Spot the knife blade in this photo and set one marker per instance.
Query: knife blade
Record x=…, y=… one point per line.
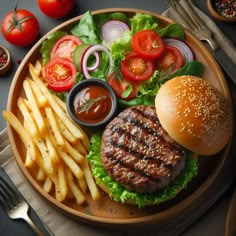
x=227, y=65
x=230, y=228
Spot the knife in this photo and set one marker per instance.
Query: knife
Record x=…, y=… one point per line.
x=230, y=228
x=228, y=66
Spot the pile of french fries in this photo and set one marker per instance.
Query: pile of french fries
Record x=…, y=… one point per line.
x=55, y=146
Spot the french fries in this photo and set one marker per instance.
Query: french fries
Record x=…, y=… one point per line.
x=19, y=128
x=34, y=106
x=55, y=145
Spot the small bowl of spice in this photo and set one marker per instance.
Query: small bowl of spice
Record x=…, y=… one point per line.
x=5, y=60
x=223, y=10
x=92, y=103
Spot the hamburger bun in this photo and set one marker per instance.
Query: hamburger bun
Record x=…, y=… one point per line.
x=195, y=114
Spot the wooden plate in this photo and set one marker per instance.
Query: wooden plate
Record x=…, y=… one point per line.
x=107, y=212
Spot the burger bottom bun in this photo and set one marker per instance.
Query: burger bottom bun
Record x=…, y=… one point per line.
x=195, y=114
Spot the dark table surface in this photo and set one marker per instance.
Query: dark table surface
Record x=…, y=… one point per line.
x=213, y=221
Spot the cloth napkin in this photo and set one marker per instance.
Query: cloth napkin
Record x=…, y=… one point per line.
x=59, y=223
x=224, y=42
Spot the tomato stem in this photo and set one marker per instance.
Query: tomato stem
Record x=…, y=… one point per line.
x=16, y=23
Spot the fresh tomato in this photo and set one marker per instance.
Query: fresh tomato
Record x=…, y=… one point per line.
x=148, y=44
x=123, y=88
x=59, y=74
x=20, y=27
x=56, y=8
x=136, y=68
x=65, y=47
x=171, y=57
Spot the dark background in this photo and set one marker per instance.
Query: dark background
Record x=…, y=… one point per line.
x=212, y=222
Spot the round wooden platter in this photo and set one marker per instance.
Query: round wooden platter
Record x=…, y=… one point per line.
x=106, y=212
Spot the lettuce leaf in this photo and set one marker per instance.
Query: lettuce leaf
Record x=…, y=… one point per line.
x=120, y=194
x=48, y=44
x=142, y=21
x=86, y=30
x=172, y=31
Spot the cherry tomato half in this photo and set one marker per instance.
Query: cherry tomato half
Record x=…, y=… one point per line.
x=65, y=47
x=56, y=8
x=136, y=68
x=122, y=86
x=147, y=44
x=171, y=56
x=59, y=74
x=20, y=27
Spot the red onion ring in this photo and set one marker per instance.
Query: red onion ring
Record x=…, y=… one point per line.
x=184, y=48
x=113, y=30
x=89, y=51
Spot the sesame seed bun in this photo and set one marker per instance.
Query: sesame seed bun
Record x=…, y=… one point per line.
x=195, y=114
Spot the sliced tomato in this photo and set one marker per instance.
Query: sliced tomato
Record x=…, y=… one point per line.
x=147, y=44
x=136, y=68
x=171, y=57
x=59, y=74
x=65, y=47
x=123, y=88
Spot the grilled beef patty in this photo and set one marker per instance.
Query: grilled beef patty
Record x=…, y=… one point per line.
x=138, y=153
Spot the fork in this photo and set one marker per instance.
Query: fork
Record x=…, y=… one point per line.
x=14, y=205
x=192, y=21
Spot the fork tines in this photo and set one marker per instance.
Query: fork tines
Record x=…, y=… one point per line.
x=9, y=198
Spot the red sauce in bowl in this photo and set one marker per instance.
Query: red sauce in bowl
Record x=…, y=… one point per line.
x=92, y=104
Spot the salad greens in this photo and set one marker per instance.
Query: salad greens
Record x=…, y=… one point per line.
x=86, y=30
x=119, y=193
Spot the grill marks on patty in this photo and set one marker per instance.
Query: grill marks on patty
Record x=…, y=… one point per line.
x=138, y=153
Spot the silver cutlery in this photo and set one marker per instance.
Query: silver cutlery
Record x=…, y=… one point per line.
x=14, y=205
x=186, y=12
x=230, y=228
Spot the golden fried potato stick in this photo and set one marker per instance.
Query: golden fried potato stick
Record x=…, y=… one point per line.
x=66, y=133
x=41, y=99
x=83, y=184
x=29, y=162
x=39, y=142
x=20, y=129
x=71, y=164
x=48, y=184
x=62, y=181
x=58, y=194
x=41, y=176
x=61, y=103
x=90, y=181
x=73, y=152
x=34, y=107
x=80, y=147
x=54, y=126
x=32, y=128
x=38, y=67
x=51, y=149
x=67, y=159
x=78, y=194
x=26, y=102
